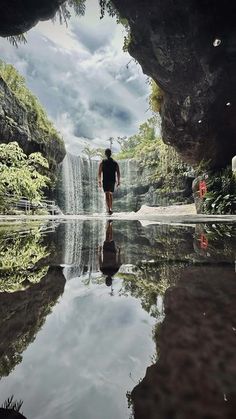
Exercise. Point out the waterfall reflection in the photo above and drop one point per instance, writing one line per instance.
(109, 256)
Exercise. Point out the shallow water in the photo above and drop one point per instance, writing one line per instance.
(159, 336)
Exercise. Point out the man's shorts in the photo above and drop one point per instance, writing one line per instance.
(108, 186)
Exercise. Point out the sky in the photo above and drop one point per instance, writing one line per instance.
(90, 88)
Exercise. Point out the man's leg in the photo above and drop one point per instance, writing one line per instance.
(111, 199)
(107, 195)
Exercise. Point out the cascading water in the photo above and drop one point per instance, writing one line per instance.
(72, 170)
(80, 186)
(128, 180)
(79, 192)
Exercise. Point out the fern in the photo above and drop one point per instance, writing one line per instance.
(13, 405)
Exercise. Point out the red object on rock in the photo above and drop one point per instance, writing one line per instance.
(202, 188)
(203, 241)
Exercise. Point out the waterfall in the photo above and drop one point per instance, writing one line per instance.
(128, 180)
(72, 170)
(80, 186)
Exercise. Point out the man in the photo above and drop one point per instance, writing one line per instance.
(109, 171)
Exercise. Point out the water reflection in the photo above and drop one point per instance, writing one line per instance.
(195, 374)
(166, 338)
(109, 256)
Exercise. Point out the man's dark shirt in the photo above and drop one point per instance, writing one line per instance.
(109, 168)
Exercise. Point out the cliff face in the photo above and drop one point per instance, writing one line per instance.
(18, 124)
(139, 189)
(19, 16)
(189, 49)
(194, 375)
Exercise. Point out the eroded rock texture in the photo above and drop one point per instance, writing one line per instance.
(18, 16)
(173, 42)
(18, 124)
(195, 375)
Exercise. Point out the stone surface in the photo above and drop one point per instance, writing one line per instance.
(18, 16)
(16, 124)
(138, 188)
(173, 42)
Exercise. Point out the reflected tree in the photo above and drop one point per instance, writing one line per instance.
(19, 260)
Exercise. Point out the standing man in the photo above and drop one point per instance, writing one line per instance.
(109, 172)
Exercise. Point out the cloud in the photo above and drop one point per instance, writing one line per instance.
(83, 78)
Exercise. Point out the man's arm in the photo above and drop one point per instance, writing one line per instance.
(100, 175)
(118, 174)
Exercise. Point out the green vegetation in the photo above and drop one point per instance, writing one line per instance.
(156, 97)
(19, 258)
(151, 279)
(150, 152)
(90, 152)
(20, 176)
(37, 116)
(221, 193)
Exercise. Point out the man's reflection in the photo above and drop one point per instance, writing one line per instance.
(109, 257)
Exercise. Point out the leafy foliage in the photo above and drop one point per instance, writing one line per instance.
(37, 116)
(91, 152)
(149, 280)
(17, 39)
(19, 256)
(12, 404)
(150, 151)
(221, 193)
(20, 175)
(156, 97)
(64, 12)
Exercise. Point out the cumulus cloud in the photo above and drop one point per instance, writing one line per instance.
(90, 88)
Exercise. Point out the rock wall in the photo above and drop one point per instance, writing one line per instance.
(20, 15)
(18, 124)
(174, 43)
(138, 189)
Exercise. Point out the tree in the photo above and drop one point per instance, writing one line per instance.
(20, 175)
(19, 262)
(89, 152)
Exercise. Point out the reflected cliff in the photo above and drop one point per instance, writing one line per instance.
(29, 288)
(194, 375)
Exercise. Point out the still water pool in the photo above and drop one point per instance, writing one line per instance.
(117, 320)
